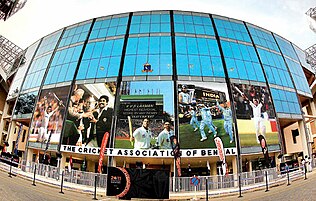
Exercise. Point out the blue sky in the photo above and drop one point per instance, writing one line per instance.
(41, 17)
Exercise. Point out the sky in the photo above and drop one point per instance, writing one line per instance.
(41, 17)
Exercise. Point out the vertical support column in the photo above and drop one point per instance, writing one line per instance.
(312, 107)
(111, 162)
(213, 169)
(11, 136)
(4, 113)
(250, 166)
(235, 127)
(175, 97)
(304, 137)
(312, 127)
(62, 162)
(29, 158)
(235, 170)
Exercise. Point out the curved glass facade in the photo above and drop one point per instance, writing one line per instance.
(206, 75)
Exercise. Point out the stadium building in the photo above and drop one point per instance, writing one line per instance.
(237, 96)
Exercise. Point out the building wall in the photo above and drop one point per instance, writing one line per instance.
(292, 147)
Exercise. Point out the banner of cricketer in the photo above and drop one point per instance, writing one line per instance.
(89, 114)
(48, 118)
(255, 115)
(204, 114)
(146, 115)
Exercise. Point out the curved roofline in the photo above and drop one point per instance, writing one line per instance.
(186, 11)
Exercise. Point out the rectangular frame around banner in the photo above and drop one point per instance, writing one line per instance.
(89, 114)
(46, 125)
(255, 116)
(145, 111)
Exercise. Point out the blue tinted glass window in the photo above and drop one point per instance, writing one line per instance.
(275, 68)
(48, 43)
(60, 71)
(198, 57)
(36, 72)
(240, 62)
(75, 34)
(101, 59)
(150, 23)
(302, 56)
(92, 70)
(286, 48)
(298, 76)
(109, 26)
(285, 101)
(154, 50)
(228, 28)
(263, 38)
(193, 24)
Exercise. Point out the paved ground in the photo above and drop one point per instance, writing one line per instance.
(19, 189)
(299, 190)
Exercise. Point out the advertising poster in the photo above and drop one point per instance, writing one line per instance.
(48, 118)
(146, 115)
(89, 115)
(205, 116)
(255, 115)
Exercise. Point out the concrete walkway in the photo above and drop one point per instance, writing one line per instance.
(101, 192)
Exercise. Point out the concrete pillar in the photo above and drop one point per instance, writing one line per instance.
(276, 161)
(4, 114)
(312, 107)
(250, 165)
(114, 162)
(90, 166)
(11, 136)
(313, 110)
(234, 165)
(304, 137)
(29, 158)
(235, 170)
(63, 161)
(213, 169)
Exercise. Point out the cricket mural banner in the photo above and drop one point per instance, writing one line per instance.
(146, 115)
(48, 118)
(204, 114)
(89, 115)
(255, 117)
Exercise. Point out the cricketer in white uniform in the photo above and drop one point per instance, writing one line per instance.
(163, 140)
(45, 120)
(258, 118)
(142, 136)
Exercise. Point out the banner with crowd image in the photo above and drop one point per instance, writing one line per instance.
(47, 121)
(256, 119)
(146, 115)
(89, 114)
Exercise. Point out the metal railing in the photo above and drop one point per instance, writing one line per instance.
(73, 176)
(179, 184)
